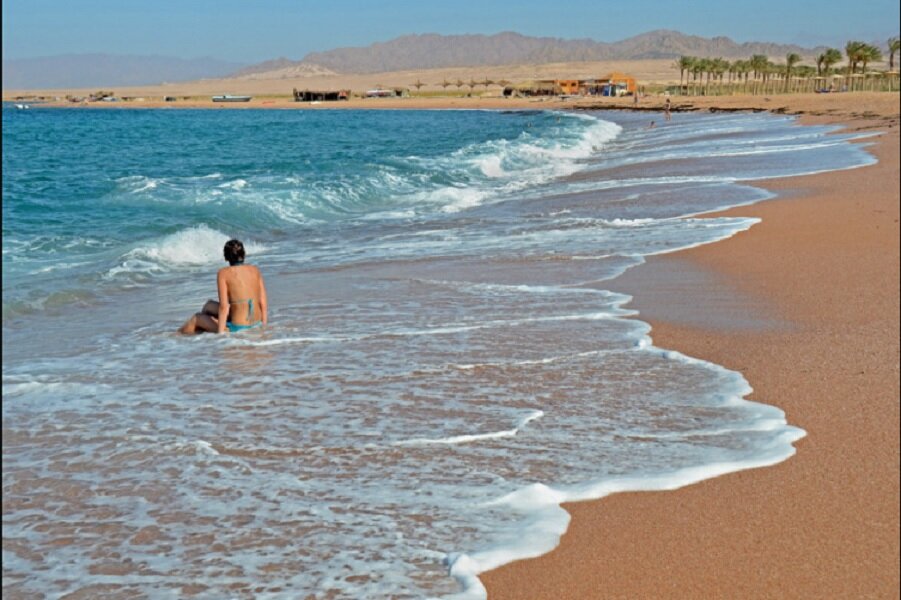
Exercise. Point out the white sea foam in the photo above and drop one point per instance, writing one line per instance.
(191, 247)
(474, 437)
(545, 521)
(237, 184)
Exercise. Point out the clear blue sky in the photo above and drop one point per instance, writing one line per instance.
(254, 30)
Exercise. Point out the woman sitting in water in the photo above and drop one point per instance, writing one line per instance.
(242, 297)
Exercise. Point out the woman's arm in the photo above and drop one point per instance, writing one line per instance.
(264, 302)
(223, 301)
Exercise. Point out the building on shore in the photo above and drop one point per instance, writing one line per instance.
(614, 84)
(320, 95)
(568, 87)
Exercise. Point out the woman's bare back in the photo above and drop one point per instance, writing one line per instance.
(244, 292)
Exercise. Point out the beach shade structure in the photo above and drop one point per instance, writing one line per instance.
(320, 95)
(532, 88)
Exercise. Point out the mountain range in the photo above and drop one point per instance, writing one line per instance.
(425, 51)
(430, 51)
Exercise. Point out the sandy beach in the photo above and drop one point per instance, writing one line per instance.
(816, 287)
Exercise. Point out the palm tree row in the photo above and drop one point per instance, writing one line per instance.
(759, 75)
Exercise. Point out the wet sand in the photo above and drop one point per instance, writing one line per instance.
(806, 306)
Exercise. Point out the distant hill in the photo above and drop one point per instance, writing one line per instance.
(281, 68)
(664, 43)
(430, 51)
(106, 70)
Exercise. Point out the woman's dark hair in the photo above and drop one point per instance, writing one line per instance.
(234, 252)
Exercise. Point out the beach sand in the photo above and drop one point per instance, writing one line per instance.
(806, 306)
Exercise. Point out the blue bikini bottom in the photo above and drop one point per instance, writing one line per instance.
(235, 328)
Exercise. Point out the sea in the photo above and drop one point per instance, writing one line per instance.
(444, 365)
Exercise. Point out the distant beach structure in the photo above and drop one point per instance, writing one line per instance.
(614, 84)
(320, 95)
(381, 92)
(231, 98)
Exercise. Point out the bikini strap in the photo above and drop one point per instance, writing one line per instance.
(249, 302)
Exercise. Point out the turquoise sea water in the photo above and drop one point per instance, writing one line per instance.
(444, 364)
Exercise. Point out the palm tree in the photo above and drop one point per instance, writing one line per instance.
(444, 84)
(719, 66)
(743, 68)
(827, 59)
(701, 67)
(733, 70)
(854, 51)
(791, 59)
(486, 82)
(758, 65)
(458, 83)
(768, 72)
(684, 65)
(869, 54)
(893, 46)
(418, 85)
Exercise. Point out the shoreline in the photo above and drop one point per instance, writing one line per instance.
(820, 276)
(838, 106)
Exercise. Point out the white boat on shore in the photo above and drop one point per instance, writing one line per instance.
(230, 98)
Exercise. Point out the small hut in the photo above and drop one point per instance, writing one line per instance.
(614, 84)
(320, 95)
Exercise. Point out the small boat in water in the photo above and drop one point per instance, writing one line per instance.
(22, 106)
(230, 98)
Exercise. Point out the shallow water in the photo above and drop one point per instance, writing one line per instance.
(444, 365)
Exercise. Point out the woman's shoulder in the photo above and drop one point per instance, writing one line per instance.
(239, 271)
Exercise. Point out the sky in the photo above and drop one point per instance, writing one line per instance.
(249, 31)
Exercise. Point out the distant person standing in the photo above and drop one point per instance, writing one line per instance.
(667, 110)
(635, 97)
